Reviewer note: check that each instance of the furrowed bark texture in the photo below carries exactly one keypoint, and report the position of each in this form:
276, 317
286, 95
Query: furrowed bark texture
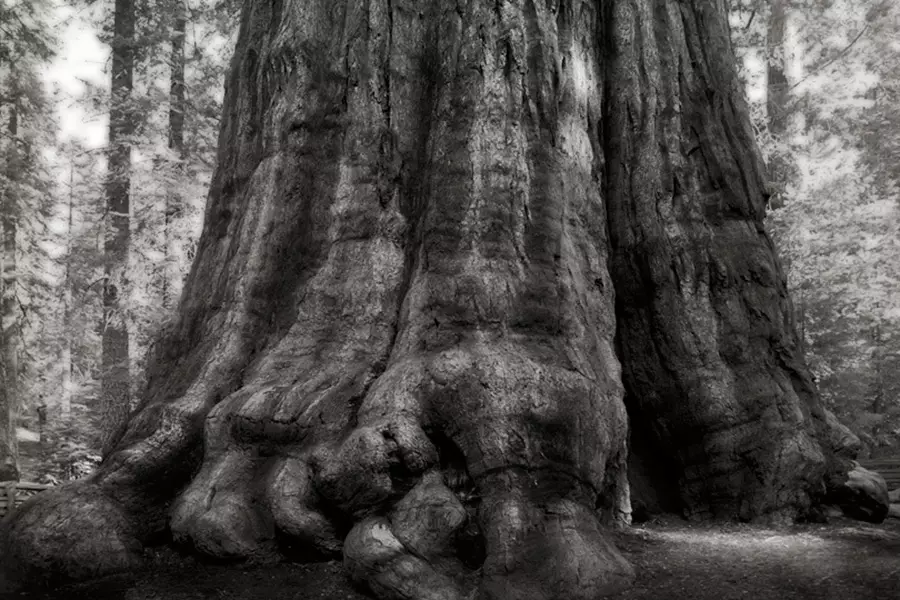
705, 336
397, 341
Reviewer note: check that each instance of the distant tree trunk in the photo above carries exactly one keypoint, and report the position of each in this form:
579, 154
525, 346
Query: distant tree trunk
9, 310
115, 380
65, 349
877, 387
174, 199
776, 81
434, 231
777, 92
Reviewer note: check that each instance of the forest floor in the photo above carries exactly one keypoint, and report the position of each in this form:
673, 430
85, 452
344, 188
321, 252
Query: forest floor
842, 560
674, 560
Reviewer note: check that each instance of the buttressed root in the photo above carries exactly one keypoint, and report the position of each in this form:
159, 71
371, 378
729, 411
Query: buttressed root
471, 488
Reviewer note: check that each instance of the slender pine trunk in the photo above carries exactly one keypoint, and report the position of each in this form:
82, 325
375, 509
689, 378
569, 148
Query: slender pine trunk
174, 199
777, 93
777, 83
115, 379
65, 351
9, 331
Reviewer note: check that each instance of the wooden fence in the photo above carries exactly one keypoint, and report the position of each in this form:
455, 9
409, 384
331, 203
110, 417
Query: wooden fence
14, 493
889, 468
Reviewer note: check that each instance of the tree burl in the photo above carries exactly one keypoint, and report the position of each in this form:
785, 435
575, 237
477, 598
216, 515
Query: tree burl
450, 250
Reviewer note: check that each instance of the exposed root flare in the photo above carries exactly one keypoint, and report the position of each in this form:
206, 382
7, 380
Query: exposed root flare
221, 514
372, 555
428, 519
374, 464
544, 541
67, 534
291, 499
413, 552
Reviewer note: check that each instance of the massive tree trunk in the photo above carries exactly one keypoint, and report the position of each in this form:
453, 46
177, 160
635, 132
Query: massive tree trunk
714, 382
444, 248
115, 391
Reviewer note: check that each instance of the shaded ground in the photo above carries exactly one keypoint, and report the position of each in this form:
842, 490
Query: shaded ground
845, 559
192, 580
839, 561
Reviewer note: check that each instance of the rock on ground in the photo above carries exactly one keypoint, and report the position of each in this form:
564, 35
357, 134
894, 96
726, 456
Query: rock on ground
863, 495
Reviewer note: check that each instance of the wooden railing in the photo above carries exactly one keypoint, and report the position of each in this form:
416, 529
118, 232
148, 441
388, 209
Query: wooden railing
888, 467
14, 493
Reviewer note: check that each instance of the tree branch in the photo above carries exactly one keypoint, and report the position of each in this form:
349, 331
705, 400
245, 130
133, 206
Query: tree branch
837, 56
750, 22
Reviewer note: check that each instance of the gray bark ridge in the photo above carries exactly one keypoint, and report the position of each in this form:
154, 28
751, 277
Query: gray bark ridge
706, 335
398, 339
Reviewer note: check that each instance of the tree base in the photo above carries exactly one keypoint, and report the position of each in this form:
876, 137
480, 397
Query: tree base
71, 533
540, 538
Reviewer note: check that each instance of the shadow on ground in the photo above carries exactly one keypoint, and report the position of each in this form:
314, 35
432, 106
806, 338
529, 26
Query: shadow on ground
842, 560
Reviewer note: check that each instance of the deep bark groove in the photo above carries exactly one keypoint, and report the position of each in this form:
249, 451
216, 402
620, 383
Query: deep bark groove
699, 353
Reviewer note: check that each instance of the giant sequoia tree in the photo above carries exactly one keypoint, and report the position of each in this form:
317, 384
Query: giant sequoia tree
451, 250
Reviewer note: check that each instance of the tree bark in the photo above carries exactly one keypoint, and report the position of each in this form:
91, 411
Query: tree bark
705, 335
9, 310
433, 233
115, 392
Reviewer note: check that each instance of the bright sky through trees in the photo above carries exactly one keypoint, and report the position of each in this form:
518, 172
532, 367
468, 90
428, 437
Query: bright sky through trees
81, 61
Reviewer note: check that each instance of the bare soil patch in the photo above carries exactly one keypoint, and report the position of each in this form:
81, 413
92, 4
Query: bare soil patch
675, 560
841, 560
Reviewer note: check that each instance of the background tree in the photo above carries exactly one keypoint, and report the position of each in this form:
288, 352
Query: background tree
838, 228
25, 45
70, 260
69, 338
778, 109
115, 389
174, 158
174, 200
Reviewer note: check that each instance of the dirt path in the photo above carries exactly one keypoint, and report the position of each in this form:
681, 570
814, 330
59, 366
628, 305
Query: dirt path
840, 561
